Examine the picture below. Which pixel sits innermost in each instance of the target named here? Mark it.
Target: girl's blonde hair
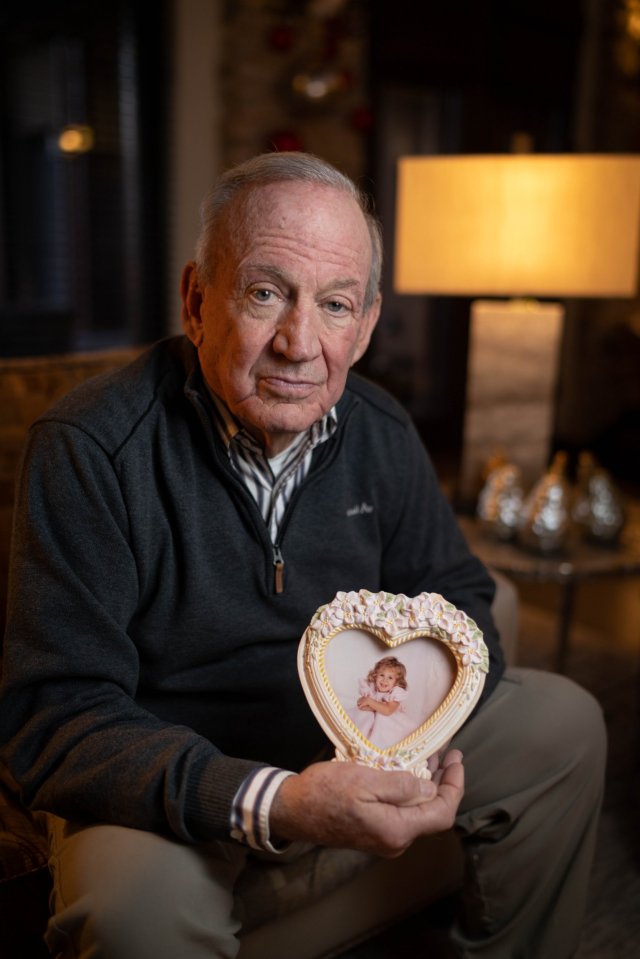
(393, 663)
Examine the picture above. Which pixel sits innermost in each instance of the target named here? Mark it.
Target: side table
(580, 561)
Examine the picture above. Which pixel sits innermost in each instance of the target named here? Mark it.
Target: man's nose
(297, 334)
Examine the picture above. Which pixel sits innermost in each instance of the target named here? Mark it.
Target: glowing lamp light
(76, 139)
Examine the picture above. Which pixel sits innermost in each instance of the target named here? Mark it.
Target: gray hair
(274, 168)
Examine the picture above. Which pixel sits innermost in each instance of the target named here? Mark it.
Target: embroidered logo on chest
(360, 509)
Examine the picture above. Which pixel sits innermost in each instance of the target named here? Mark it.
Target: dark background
(84, 239)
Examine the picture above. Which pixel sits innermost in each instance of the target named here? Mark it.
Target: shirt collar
(231, 430)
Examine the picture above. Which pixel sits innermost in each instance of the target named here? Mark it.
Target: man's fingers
(451, 782)
(421, 791)
(452, 756)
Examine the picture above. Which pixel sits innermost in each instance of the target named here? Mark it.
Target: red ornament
(361, 119)
(282, 37)
(284, 140)
(347, 79)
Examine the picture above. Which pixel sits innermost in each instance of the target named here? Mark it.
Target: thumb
(404, 789)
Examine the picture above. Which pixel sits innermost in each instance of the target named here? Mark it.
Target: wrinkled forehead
(289, 206)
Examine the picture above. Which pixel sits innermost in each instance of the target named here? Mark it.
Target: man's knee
(536, 731)
(568, 720)
(122, 893)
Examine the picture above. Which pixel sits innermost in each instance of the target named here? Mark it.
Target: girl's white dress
(383, 731)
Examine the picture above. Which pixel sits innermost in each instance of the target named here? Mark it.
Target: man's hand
(356, 807)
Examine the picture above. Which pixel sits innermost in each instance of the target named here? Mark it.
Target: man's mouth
(288, 386)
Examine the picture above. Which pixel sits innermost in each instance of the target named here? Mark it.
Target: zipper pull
(278, 569)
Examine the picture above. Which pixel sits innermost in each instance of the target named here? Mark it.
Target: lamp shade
(518, 225)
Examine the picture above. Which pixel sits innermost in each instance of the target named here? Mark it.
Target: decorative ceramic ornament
(391, 678)
(598, 509)
(500, 501)
(545, 522)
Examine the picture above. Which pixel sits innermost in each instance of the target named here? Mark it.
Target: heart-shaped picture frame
(391, 678)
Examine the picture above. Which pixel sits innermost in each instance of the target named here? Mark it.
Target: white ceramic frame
(448, 645)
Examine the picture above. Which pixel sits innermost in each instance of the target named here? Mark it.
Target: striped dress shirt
(272, 482)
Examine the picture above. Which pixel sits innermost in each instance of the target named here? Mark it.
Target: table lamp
(518, 227)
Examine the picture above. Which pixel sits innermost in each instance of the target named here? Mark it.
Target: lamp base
(511, 388)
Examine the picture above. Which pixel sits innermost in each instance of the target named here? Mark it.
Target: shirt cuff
(251, 806)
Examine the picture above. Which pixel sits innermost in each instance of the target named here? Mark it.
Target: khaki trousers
(535, 761)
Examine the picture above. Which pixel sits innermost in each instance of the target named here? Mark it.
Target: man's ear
(367, 326)
(191, 295)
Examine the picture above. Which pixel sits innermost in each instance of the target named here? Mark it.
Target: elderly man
(178, 524)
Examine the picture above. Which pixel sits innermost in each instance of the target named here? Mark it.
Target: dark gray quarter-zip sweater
(150, 661)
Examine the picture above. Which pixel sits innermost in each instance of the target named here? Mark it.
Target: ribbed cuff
(251, 807)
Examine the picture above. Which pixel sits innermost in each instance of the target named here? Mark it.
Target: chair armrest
(505, 615)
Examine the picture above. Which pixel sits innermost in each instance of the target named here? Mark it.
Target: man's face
(283, 318)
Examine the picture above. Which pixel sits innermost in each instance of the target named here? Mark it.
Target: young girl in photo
(380, 712)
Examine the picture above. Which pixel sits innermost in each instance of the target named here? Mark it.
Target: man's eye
(337, 307)
(263, 296)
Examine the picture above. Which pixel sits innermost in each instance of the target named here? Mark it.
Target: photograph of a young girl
(380, 712)
(388, 696)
